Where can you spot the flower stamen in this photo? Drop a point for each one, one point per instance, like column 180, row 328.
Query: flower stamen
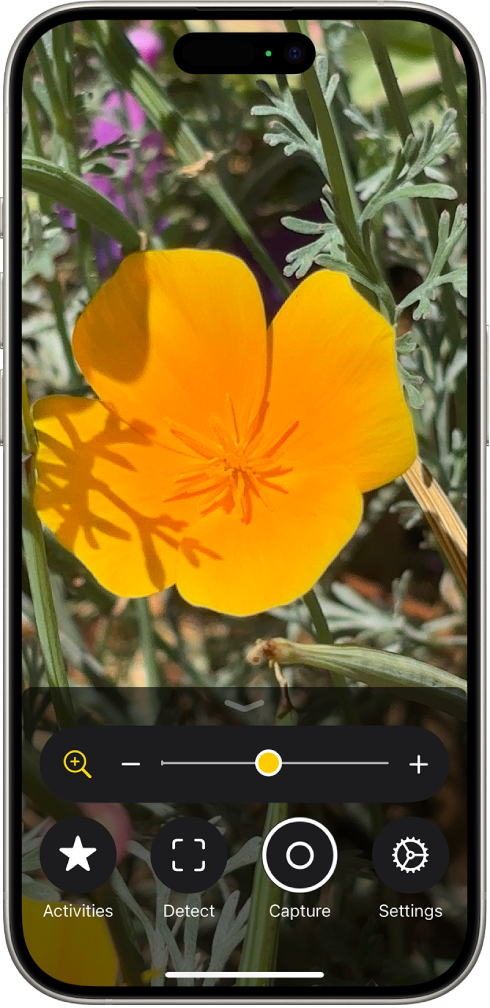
column 230, row 471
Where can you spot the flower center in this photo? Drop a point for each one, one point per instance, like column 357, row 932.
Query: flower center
column 231, row 469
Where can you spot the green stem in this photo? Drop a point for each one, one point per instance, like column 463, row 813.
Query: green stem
column 64, row 125
column 37, row 569
column 394, row 934
column 32, row 108
column 320, row 625
column 395, row 940
column 334, row 156
column 54, row 291
column 373, row 31
column 377, row 817
column 123, row 63
column 84, row 234
column 62, row 61
column 86, row 257
column 261, row 940
column 448, row 68
column 213, row 186
column 62, row 186
column 60, row 121
column 339, row 142
column 324, row 636
column 177, row 655
column 343, row 193
column 53, row 286
column 145, row 623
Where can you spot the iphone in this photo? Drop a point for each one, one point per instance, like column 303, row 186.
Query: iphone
column 244, row 368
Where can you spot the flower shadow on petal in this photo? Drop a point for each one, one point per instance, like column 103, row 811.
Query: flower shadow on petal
column 191, row 548
column 91, row 492
column 116, row 324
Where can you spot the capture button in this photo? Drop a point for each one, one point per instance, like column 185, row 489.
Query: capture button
column 189, row 854
column 299, row 855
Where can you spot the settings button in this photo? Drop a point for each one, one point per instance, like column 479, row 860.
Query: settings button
column 299, row 855
column 410, row 855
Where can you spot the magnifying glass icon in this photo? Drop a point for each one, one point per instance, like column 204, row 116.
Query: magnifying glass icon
column 72, row 762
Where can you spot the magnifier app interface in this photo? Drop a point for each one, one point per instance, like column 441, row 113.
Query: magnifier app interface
column 245, row 343
column 292, row 774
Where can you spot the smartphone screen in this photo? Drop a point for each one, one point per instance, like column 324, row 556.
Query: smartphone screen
column 244, row 751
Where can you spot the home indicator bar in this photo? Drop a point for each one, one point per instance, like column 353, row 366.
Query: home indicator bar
column 236, row 975
column 249, row 764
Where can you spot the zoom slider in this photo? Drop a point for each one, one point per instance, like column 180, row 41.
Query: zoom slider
column 249, row 764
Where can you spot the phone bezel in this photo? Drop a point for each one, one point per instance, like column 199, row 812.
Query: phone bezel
column 476, row 460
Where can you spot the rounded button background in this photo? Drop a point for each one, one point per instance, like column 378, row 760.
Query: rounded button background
column 189, row 854
column 410, row 855
column 299, row 854
column 64, row 834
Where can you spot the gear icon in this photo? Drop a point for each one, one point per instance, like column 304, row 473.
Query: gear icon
column 410, row 854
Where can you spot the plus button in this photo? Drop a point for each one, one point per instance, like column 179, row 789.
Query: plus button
column 418, row 764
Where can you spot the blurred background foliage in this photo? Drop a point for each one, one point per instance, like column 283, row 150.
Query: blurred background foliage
column 240, row 164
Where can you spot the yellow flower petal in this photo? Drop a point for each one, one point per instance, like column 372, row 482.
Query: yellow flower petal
column 334, row 359
column 101, row 489
column 294, row 533
column 75, row 951
column 170, row 334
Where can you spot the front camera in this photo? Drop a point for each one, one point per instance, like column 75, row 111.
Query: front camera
column 294, row 54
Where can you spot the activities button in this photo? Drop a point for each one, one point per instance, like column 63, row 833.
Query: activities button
column 189, row 854
column 78, row 855
column 410, row 855
column 299, row 855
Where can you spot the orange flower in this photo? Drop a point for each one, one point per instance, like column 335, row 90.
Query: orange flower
column 220, row 456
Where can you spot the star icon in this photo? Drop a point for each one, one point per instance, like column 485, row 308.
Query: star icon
column 77, row 855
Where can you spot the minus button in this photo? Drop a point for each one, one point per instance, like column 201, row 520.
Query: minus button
column 130, row 764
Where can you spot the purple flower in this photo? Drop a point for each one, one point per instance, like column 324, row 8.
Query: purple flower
column 147, row 42
column 108, row 127
column 121, row 115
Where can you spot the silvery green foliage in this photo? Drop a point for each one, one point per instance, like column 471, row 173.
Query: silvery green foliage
column 407, row 373
column 43, row 241
column 400, row 180
column 352, row 618
column 98, row 159
column 448, row 238
column 388, row 185
column 292, row 131
column 392, row 183
column 328, row 242
column 229, row 933
column 328, row 250
column 39, row 890
column 167, row 950
column 396, row 184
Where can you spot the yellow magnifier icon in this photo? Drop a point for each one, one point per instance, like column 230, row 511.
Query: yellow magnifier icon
column 72, row 763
